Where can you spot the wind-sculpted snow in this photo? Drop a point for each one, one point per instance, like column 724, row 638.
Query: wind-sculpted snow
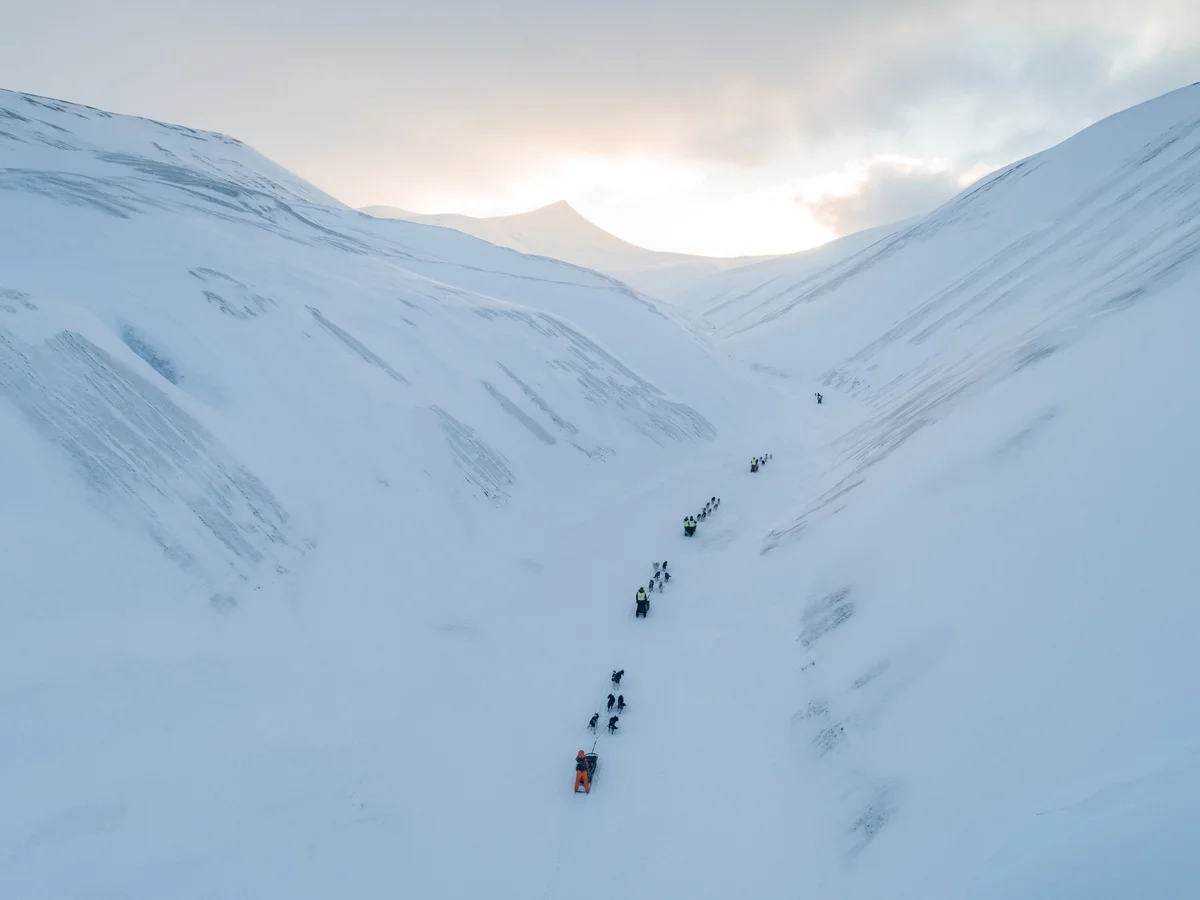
column 142, row 453
column 605, row 380
column 357, row 346
column 154, row 358
column 517, row 413
column 534, row 398
column 482, row 465
column 221, row 271
column 229, row 295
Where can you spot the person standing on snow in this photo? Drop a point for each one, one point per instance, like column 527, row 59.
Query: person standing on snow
column 581, row 773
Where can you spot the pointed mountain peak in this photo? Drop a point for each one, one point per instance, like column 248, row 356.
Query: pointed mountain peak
column 561, row 211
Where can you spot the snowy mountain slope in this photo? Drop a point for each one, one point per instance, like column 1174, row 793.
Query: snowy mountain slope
column 938, row 648
column 988, row 554
column 1120, row 188
column 1011, row 272
column 167, row 290
column 559, row 232
column 724, row 298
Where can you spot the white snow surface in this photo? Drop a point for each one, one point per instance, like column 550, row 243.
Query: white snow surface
column 322, row 534
column 727, row 297
column 560, row 232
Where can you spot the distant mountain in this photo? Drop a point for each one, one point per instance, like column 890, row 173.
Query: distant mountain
column 560, row 232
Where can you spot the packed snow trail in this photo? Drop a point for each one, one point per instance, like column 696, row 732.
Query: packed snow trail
column 697, row 639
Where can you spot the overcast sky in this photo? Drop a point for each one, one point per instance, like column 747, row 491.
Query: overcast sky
column 756, row 126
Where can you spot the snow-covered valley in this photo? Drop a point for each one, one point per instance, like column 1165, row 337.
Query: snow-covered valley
column 322, row 534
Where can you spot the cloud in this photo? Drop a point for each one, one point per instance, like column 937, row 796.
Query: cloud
column 884, row 191
column 416, row 104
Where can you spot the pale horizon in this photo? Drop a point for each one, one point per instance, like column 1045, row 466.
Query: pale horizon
column 697, row 128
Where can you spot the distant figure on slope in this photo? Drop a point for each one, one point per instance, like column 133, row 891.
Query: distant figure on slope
column 621, row 704
column 754, row 464
column 592, row 722
column 611, row 701
column 820, row 399
column 612, row 724
column 641, row 597
column 689, row 526
column 581, row 774
column 643, row 606
column 617, row 676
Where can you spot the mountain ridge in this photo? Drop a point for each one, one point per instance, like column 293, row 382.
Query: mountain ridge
column 559, row 231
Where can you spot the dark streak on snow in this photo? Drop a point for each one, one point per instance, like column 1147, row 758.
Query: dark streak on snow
column 139, row 450
column 537, row 401
column 873, row 817
column 519, row 414
column 1022, row 437
column 481, row 465
column 363, row 351
column 151, row 356
column 822, row 617
column 870, row 675
column 606, row 380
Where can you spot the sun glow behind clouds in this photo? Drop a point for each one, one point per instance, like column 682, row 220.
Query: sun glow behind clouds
column 671, row 205
column 657, row 203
